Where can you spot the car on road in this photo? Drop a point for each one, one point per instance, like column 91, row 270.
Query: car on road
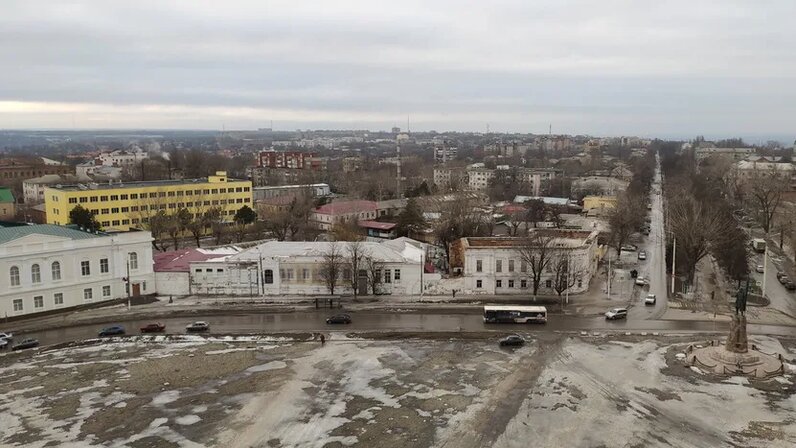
column 760, row 268
column 512, row 341
column 155, row 327
column 790, row 286
column 25, row 344
column 616, row 313
column 780, row 274
column 629, row 248
column 783, row 278
column 641, row 281
column 198, row 326
column 9, row 336
column 339, row 319
column 5, row 340
column 4, row 343
column 113, row 330
column 642, row 255
column 650, row 299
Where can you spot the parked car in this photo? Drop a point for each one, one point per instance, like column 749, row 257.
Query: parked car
column 339, row 319
column 790, row 286
column 113, row 330
column 156, row 327
column 783, row 278
column 642, row 255
column 641, row 281
column 25, row 344
column 198, row 326
column 780, row 274
column 5, row 339
column 616, row 313
column 4, row 343
column 629, row 248
column 760, row 268
column 650, row 299
column 9, row 336
column 512, row 340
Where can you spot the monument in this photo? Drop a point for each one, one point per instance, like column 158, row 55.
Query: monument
column 735, row 356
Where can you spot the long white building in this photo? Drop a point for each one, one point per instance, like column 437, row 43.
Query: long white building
column 47, row 267
column 287, row 268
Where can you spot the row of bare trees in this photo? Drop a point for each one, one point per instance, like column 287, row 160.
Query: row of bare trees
column 542, row 252
column 343, row 265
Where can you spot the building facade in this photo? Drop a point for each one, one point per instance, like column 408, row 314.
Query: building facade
column 326, row 216
column 8, row 205
column 46, row 267
column 493, row 265
column 12, row 170
column 33, row 189
column 120, row 206
column 286, row 268
column 312, row 190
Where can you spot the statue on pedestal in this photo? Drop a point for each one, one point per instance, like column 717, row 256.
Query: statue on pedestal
column 737, row 341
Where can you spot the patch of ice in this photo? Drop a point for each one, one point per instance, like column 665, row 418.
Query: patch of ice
column 273, row 365
column 120, row 405
column 199, row 409
column 187, row 420
column 696, row 369
column 680, row 356
column 230, row 350
column 166, row 397
column 158, row 422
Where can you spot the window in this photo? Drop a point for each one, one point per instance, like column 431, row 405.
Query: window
column 133, row 260
column 114, row 197
column 125, row 209
column 135, row 221
column 124, row 197
column 106, row 291
column 104, row 211
column 511, row 265
column 523, row 283
column 103, row 265
column 215, row 191
column 115, row 222
column 498, row 265
column 35, row 274
column 85, row 267
column 223, row 190
column 198, row 271
column 38, row 302
column 125, row 222
column 133, row 195
column 346, row 274
column 17, row 304
column 161, row 194
column 207, row 191
column 134, row 208
column 188, row 192
column 143, row 286
column 209, row 270
column 114, row 209
column 14, row 276
column 511, row 283
column 171, row 194
column 239, row 189
column 83, row 200
column 479, row 266
column 219, row 271
column 268, row 276
column 523, row 266
column 73, row 200
column 305, row 274
column 478, row 283
column 88, row 294
column 106, row 223
column 152, row 195
column 548, row 283
column 397, row 276
column 92, row 199
column 289, row 273
column 56, row 270
column 179, row 193
column 498, row 283
column 387, row 276
column 580, row 283
column 58, row 298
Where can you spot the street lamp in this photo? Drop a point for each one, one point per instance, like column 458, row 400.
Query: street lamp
column 674, row 256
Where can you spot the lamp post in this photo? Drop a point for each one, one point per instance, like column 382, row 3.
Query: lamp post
column 674, row 257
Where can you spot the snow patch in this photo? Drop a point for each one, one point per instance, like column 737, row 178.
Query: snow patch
column 186, row 420
column 166, row 397
column 273, row 365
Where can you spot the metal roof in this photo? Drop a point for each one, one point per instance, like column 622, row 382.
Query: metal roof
column 12, row 233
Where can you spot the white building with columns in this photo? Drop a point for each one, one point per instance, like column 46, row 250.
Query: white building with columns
column 48, row 267
column 290, row 268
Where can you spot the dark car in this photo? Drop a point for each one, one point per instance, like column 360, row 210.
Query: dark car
column 790, row 286
column 114, row 330
column 25, row 344
column 512, row 341
column 783, row 278
column 156, row 327
column 339, row 319
column 198, row 326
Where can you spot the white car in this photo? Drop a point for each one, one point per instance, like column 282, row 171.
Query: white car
column 650, row 299
column 616, row 313
column 6, row 336
column 641, row 281
column 760, row 268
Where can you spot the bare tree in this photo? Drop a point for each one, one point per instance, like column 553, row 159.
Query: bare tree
column 356, row 261
column 332, row 266
column 287, row 221
column 624, row 219
column 373, row 268
column 765, row 188
column 537, row 250
column 460, row 219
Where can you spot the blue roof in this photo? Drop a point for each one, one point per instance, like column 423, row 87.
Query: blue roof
column 12, row 233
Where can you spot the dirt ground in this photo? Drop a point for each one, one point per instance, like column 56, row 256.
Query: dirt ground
column 387, row 391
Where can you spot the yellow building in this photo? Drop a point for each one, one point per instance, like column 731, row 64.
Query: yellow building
column 121, row 205
column 598, row 204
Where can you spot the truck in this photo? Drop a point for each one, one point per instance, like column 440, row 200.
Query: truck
column 759, row 245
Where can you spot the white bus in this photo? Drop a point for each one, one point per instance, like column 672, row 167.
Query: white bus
column 514, row 314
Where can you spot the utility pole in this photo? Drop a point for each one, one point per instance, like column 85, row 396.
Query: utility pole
column 765, row 268
column 609, row 275
column 674, row 257
column 567, row 292
column 129, row 289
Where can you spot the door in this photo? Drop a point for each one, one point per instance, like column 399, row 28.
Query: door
column 362, row 282
column 136, row 289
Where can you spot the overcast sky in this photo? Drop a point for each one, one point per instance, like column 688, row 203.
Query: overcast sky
column 629, row 67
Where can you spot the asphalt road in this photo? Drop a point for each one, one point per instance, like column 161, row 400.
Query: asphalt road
column 314, row 321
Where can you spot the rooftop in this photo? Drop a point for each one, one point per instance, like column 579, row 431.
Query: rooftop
column 6, row 195
column 12, row 233
column 141, row 184
column 180, row 260
column 345, row 207
column 293, row 250
column 377, row 225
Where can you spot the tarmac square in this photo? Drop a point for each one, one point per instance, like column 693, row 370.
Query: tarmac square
column 387, row 390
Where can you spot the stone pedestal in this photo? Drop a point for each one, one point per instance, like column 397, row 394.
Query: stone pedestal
column 737, row 342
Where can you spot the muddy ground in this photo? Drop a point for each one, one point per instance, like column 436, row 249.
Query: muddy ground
column 386, row 391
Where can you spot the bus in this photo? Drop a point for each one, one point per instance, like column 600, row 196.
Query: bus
column 514, row 314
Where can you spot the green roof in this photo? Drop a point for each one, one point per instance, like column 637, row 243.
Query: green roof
column 12, row 233
column 6, row 195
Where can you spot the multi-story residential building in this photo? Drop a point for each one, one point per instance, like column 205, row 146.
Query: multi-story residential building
column 479, row 178
column 33, row 189
column 46, row 267
column 15, row 169
column 284, row 268
column 313, row 190
column 445, row 152
column 493, row 265
column 287, row 159
column 352, row 164
column 122, row 205
column 746, row 170
column 730, row 153
column 96, row 170
column 121, row 157
column 326, row 216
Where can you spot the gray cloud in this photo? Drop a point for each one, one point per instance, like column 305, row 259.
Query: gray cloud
column 608, row 67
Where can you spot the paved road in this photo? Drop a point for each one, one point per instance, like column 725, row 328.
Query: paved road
column 314, row 321
column 781, row 298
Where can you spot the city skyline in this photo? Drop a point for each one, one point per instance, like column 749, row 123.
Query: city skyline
column 718, row 69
